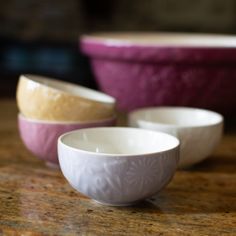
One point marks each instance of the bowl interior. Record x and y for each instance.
(164, 39)
(177, 116)
(68, 88)
(119, 141)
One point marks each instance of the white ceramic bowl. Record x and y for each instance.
(118, 166)
(198, 130)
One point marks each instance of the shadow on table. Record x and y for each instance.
(216, 164)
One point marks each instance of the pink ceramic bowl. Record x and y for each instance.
(40, 137)
(152, 69)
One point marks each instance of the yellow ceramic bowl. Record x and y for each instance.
(49, 99)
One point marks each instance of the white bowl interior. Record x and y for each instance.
(69, 88)
(165, 39)
(121, 141)
(177, 116)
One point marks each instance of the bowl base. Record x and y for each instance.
(52, 165)
(117, 204)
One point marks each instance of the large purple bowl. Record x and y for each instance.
(143, 69)
(40, 137)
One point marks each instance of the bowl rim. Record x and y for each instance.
(176, 146)
(51, 122)
(112, 39)
(137, 112)
(45, 82)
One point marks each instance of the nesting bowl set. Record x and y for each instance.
(49, 108)
(67, 124)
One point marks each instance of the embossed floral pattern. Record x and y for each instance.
(119, 180)
(143, 172)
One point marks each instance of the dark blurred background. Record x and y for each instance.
(41, 37)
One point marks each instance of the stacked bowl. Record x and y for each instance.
(48, 108)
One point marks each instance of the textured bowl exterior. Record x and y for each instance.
(117, 180)
(37, 101)
(41, 138)
(141, 76)
(196, 143)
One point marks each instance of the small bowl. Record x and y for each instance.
(165, 69)
(198, 130)
(118, 166)
(40, 137)
(49, 99)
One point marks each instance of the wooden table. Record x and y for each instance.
(35, 200)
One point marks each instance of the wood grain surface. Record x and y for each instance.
(36, 200)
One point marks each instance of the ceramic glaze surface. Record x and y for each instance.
(199, 131)
(41, 137)
(49, 99)
(172, 73)
(118, 179)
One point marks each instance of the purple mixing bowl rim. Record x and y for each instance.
(98, 48)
